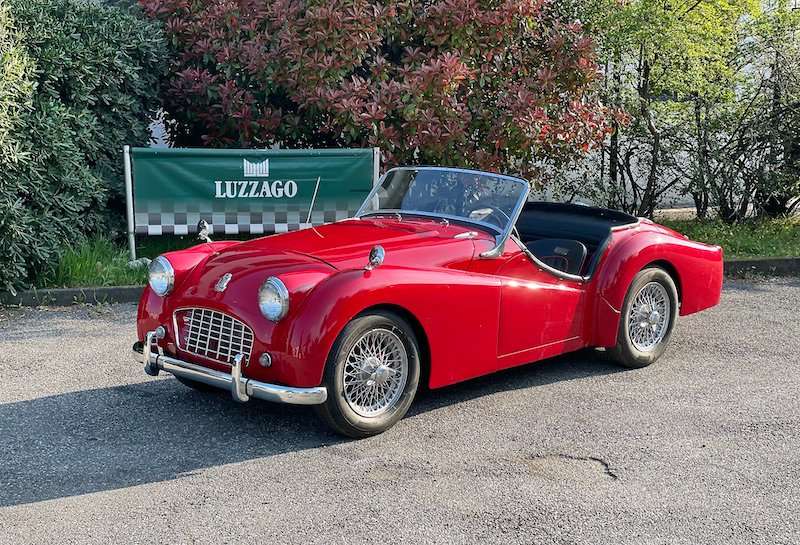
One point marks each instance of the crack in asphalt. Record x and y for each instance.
(573, 458)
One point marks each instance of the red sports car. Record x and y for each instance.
(443, 275)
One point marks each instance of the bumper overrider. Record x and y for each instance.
(241, 388)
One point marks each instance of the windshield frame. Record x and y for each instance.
(501, 236)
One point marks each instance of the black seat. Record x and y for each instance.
(563, 254)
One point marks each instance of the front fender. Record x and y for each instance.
(151, 306)
(449, 305)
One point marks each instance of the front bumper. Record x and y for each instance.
(241, 388)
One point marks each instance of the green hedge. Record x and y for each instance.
(79, 80)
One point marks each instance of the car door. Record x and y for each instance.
(541, 314)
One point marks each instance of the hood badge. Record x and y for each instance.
(222, 283)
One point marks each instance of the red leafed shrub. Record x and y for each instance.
(502, 85)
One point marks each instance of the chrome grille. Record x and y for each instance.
(211, 334)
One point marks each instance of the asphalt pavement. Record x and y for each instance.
(702, 447)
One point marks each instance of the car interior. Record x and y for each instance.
(567, 237)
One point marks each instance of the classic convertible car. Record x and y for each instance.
(443, 275)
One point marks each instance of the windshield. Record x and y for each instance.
(487, 199)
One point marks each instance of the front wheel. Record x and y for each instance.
(647, 318)
(371, 375)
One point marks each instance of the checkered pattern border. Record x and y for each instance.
(157, 218)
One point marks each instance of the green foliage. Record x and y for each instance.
(152, 247)
(711, 90)
(659, 57)
(17, 224)
(15, 81)
(497, 85)
(80, 81)
(685, 45)
(752, 238)
(93, 262)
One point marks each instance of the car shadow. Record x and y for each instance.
(576, 365)
(109, 438)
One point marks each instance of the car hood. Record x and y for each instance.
(303, 259)
(346, 244)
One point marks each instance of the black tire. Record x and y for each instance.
(195, 385)
(336, 411)
(626, 352)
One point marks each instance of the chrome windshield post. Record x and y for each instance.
(500, 241)
(495, 252)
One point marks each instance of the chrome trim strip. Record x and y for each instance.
(546, 267)
(595, 259)
(244, 387)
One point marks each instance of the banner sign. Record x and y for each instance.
(246, 191)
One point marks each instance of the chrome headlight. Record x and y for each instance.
(162, 276)
(273, 299)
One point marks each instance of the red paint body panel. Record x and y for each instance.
(696, 269)
(476, 315)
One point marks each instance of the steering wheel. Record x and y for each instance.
(493, 215)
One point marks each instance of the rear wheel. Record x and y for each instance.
(647, 318)
(371, 375)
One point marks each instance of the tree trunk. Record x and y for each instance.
(699, 186)
(700, 199)
(648, 202)
(770, 202)
(613, 150)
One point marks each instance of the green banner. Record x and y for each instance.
(247, 191)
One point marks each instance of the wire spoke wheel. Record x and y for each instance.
(375, 372)
(649, 317)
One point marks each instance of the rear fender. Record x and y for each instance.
(696, 269)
